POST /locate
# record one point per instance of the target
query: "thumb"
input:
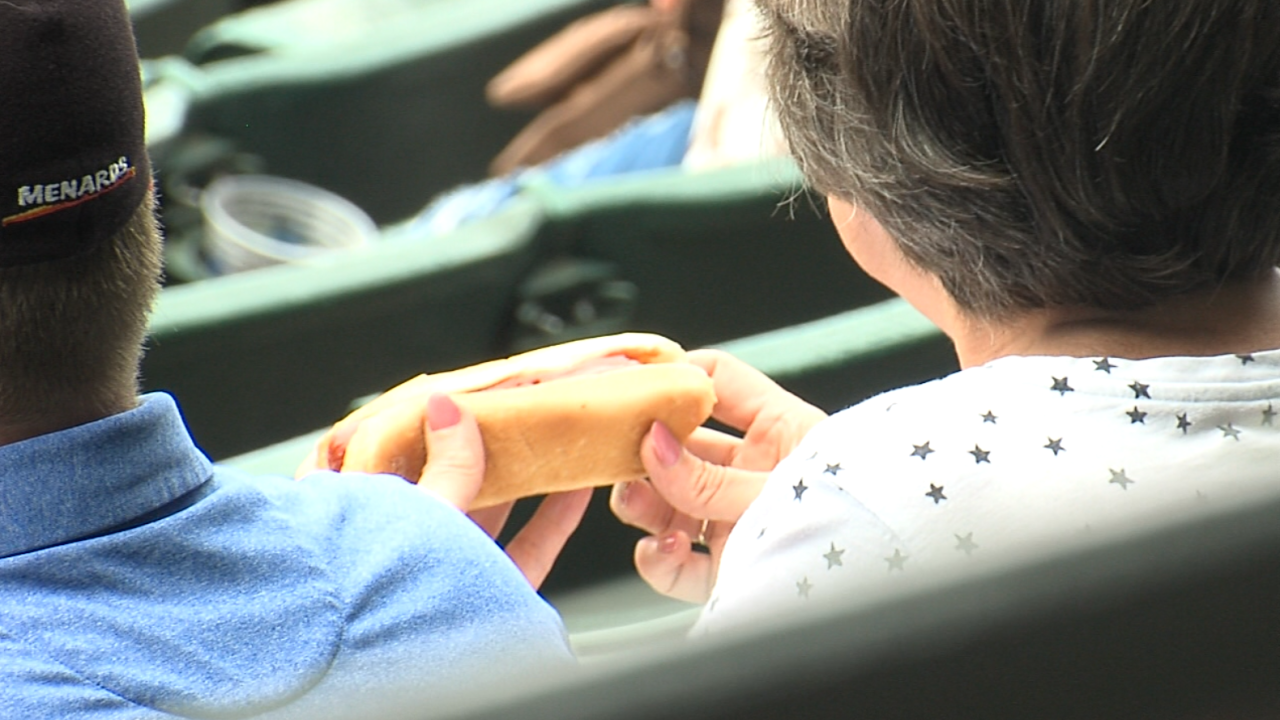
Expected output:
(455, 453)
(693, 486)
(671, 567)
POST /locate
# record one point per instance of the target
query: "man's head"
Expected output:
(79, 248)
(1041, 153)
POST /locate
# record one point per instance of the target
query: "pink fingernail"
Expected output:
(667, 543)
(665, 446)
(442, 412)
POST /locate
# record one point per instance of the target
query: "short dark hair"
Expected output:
(73, 328)
(1037, 153)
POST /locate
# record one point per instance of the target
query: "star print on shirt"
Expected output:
(1268, 415)
(1055, 446)
(922, 451)
(833, 558)
(1140, 390)
(1136, 416)
(990, 417)
(1183, 423)
(898, 561)
(1104, 365)
(800, 489)
(804, 587)
(1061, 386)
(832, 470)
(935, 492)
(980, 456)
(966, 544)
(1229, 431)
(1119, 478)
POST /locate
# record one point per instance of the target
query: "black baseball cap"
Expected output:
(73, 160)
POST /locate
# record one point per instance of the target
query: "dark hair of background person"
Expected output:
(73, 328)
(1041, 153)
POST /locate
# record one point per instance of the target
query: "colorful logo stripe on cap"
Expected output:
(54, 197)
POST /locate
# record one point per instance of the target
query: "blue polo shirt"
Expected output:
(138, 580)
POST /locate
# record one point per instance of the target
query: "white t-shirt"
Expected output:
(1002, 463)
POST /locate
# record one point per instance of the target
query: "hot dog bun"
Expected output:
(546, 436)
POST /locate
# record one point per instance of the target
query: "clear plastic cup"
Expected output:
(251, 221)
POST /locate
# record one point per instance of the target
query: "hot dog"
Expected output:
(558, 418)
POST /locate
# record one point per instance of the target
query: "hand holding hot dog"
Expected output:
(455, 472)
(712, 478)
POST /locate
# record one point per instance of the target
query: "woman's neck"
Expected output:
(1238, 318)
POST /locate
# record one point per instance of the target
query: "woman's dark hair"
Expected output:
(1036, 153)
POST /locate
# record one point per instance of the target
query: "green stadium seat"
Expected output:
(387, 117)
(711, 255)
(261, 356)
(283, 25)
(164, 27)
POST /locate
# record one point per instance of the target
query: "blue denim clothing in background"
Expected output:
(648, 143)
(137, 580)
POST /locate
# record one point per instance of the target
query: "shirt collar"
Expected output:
(73, 483)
